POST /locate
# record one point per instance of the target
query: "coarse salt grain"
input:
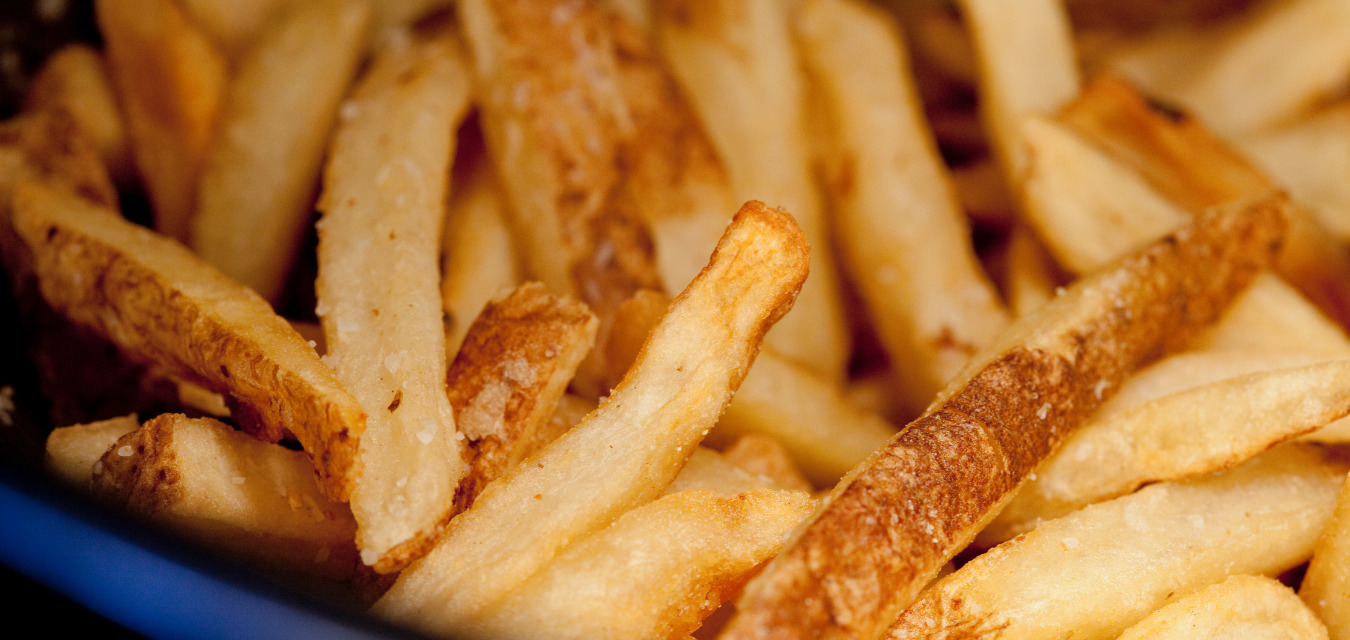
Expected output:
(125, 451)
(428, 431)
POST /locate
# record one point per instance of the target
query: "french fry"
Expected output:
(736, 62)
(766, 457)
(1312, 158)
(72, 452)
(378, 290)
(478, 256)
(1239, 607)
(627, 450)
(1272, 315)
(257, 186)
(76, 80)
(514, 366)
(656, 572)
(170, 80)
(1027, 65)
(708, 470)
(1030, 277)
(984, 195)
(554, 120)
(1326, 584)
(216, 485)
(1195, 169)
(903, 236)
(1208, 428)
(233, 26)
(891, 524)
(1297, 51)
(1100, 570)
(155, 300)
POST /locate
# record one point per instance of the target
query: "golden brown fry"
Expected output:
(711, 471)
(379, 290)
(626, 451)
(155, 300)
(256, 194)
(1326, 585)
(1094, 573)
(75, 79)
(900, 227)
(1195, 169)
(171, 82)
(515, 364)
(735, 61)
(889, 526)
(554, 121)
(216, 485)
(72, 451)
(233, 26)
(1200, 430)
(1030, 275)
(656, 572)
(1239, 607)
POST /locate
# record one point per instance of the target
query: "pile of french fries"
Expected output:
(619, 307)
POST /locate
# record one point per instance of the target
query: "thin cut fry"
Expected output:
(227, 490)
(736, 62)
(1239, 607)
(257, 188)
(379, 291)
(628, 449)
(171, 81)
(1094, 573)
(1326, 585)
(900, 227)
(1182, 435)
(656, 572)
(155, 300)
(478, 257)
(888, 527)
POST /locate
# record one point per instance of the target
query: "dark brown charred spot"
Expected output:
(224, 371)
(398, 399)
(1172, 112)
(51, 233)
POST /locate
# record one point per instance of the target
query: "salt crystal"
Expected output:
(1070, 543)
(393, 361)
(125, 451)
(1101, 387)
(428, 431)
(369, 557)
(1043, 411)
(402, 482)
(348, 325)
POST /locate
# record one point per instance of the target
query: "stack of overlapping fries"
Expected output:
(713, 318)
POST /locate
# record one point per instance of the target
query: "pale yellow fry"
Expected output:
(709, 470)
(158, 302)
(221, 487)
(257, 188)
(808, 414)
(1066, 176)
(626, 451)
(736, 63)
(1027, 65)
(72, 452)
(75, 79)
(656, 572)
(478, 257)
(171, 81)
(1326, 585)
(1029, 276)
(1097, 571)
(765, 457)
(378, 290)
(1206, 428)
(1296, 52)
(1252, 607)
(902, 233)
(1273, 315)
(1312, 158)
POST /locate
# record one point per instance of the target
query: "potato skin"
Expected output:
(889, 526)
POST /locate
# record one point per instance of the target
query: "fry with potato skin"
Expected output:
(514, 365)
(889, 526)
(379, 290)
(158, 302)
(627, 450)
